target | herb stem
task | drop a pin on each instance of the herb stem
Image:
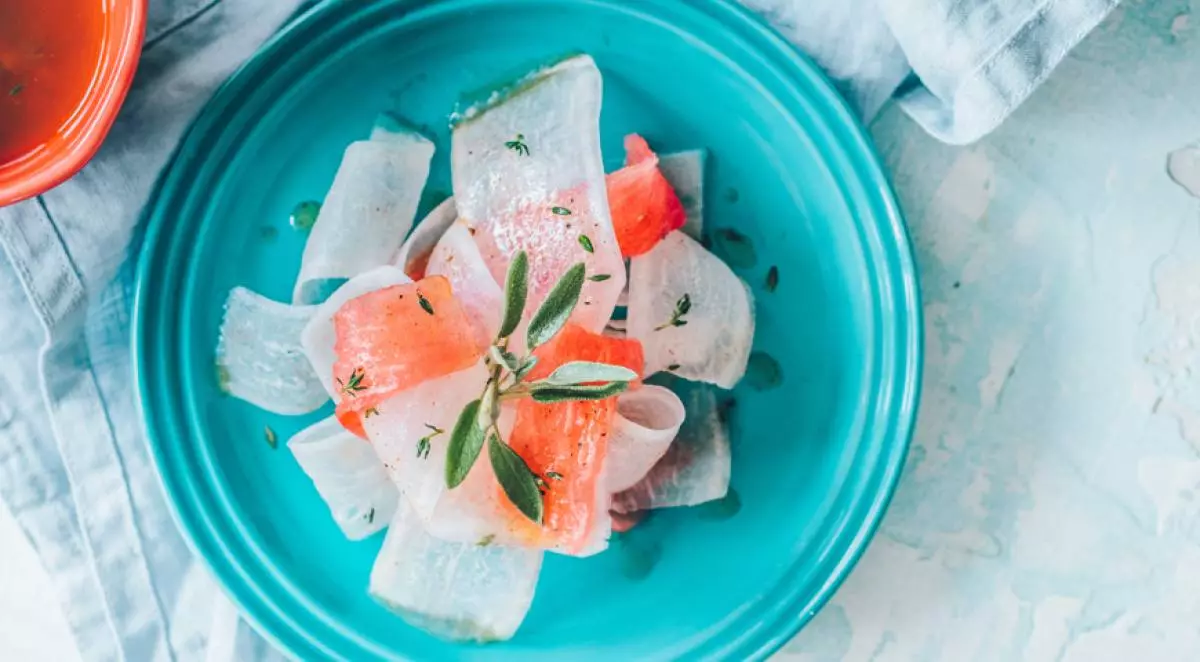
(515, 393)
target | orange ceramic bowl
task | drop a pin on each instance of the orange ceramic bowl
(74, 144)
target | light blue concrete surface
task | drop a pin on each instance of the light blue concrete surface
(1050, 509)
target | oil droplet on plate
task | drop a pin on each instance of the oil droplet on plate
(638, 557)
(304, 215)
(735, 248)
(763, 372)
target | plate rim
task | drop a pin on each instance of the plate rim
(784, 617)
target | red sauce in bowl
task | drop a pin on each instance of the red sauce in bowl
(49, 51)
(65, 67)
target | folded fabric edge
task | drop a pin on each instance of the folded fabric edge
(1008, 77)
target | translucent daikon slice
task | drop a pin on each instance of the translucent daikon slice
(367, 213)
(696, 467)
(259, 357)
(348, 476)
(690, 312)
(685, 172)
(455, 591)
(647, 420)
(414, 253)
(457, 258)
(411, 431)
(528, 176)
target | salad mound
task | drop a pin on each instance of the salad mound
(489, 370)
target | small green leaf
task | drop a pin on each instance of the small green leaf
(486, 540)
(586, 242)
(424, 445)
(561, 211)
(525, 367)
(16, 89)
(353, 384)
(272, 438)
(582, 372)
(518, 145)
(548, 394)
(425, 305)
(466, 440)
(516, 288)
(553, 475)
(682, 307)
(556, 309)
(515, 479)
(508, 360)
(599, 278)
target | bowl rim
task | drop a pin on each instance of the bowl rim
(255, 587)
(32, 175)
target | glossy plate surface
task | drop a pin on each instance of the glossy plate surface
(817, 447)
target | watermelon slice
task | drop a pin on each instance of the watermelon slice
(567, 443)
(643, 204)
(395, 338)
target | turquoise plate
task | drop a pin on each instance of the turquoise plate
(819, 437)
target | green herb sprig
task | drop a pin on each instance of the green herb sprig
(425, 305)
(423, 444)
(353, 384)
(518, 145)
(682, 307)
(573, 381)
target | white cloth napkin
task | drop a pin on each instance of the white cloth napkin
(74, 466)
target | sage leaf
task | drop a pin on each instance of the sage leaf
(525, 367)
(556, 309)
(516, 289)
(582, 372)
(515, 478)
(548, 394)
(466, 440)
(507, 359)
